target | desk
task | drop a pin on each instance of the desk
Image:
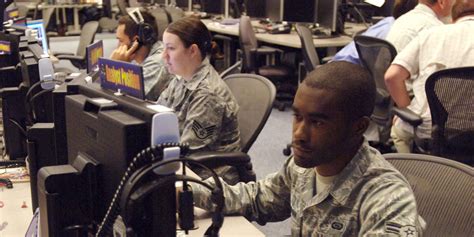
(291, 40)
(14, 220)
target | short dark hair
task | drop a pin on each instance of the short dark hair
(192, 31)
(462, 8)
(131, 27)
(353, 84)
(403, 6)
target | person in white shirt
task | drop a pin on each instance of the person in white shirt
(441, 47)
(427, 14)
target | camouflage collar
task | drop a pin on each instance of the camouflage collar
(344, 182)
(202, 72)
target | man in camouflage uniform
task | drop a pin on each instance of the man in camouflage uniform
(335, 184)
(207, 113)
(146, 54)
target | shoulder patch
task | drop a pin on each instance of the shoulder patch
(203, 132)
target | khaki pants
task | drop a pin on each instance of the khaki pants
(402, 140)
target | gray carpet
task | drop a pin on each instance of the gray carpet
(266, 152)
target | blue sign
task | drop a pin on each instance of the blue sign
(123, 76)
(94, 51)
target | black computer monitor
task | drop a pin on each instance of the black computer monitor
(300, 11)
(213, 6)
(255, 9)
(327, 14)
(109, 130)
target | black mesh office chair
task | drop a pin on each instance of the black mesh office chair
(450, 94)
(255, 95)
(278, 73)
(377, 55)
(310, 56)
(88, 32)
(443, 192)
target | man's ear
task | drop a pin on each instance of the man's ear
(361, 125)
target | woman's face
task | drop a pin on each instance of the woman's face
(176, 55)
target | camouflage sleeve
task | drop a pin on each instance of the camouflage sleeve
(166, 96)
(389, 209)
(262, 201)
(203, 121)
(156, 78)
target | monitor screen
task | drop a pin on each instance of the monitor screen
(94, 51)
(39, 33)
(122, 76)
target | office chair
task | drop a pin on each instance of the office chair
(443, 192)
(310, 56)
(255, 95)
(450, 94)
(87, 37)
(234, 69)
(278, 73)
(376, 56)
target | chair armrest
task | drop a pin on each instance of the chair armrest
(62, 53)
(327, 59)
(381, 97)
(77, 61)
(70, 57)
(277, 50)
(408, 116)
(214, 159)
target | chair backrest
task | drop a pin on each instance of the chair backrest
(450, 94)
(310, 55)
(443, 192)
(88, 32)
(255, 95)
(377, 55)
(236, 68)
(248, 41)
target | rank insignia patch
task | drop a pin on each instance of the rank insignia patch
(203, 132)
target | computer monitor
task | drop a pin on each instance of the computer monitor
(106, 132)
(255, 9)
(93, 52)
(300, 11)
(38, 31)
(122, 77)
(274, 10)
(326, 14)
(213, 6)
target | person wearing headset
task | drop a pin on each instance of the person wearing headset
(206, 109)
(138, 42)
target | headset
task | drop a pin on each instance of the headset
(133, 190)
(146, 33)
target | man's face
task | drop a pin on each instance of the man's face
(122, 38)
(321, 132)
